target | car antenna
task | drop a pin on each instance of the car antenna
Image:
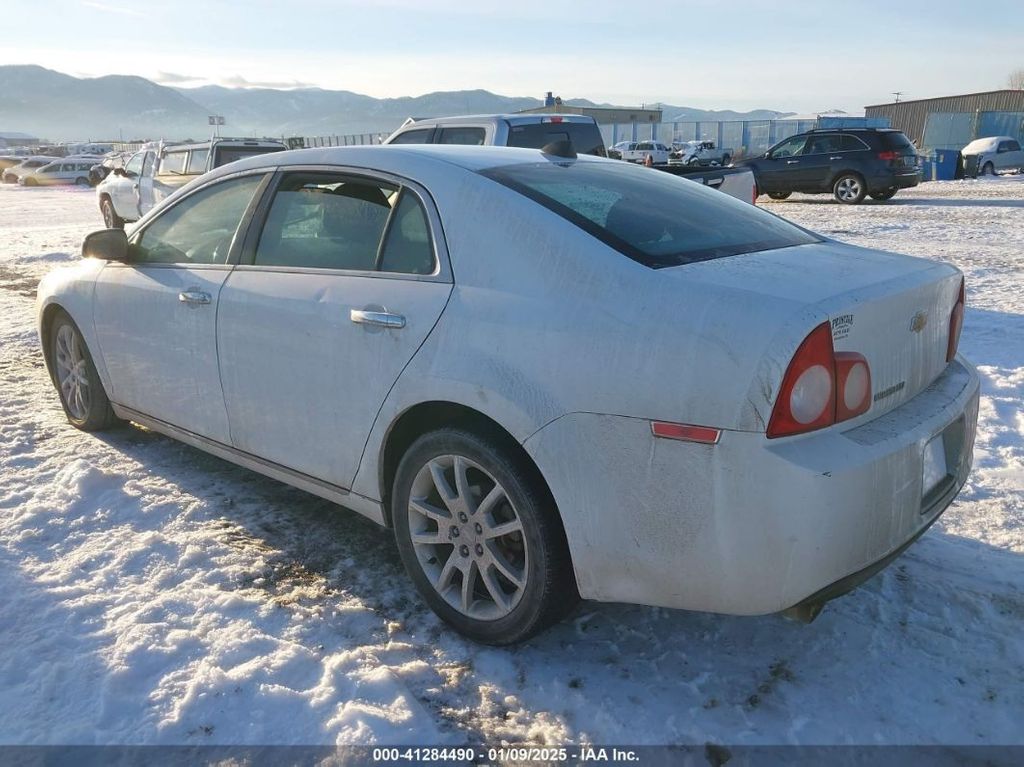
(560, 148)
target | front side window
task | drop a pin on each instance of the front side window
(470, 136)
(326, 221)
(134, 166)
(790, 147)
(612, 202)
(200, 228)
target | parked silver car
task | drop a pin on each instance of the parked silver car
(553, 377)
(994, 154)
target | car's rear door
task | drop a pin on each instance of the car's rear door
(156, 314)
(343, 278)
(821, 159)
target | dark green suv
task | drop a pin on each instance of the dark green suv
(850, 164)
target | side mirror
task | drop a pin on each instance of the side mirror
(106, 244)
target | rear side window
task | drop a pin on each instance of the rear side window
(325, 221)
(421, 136)
(612, 202)
(585, 137)
(197, 160)
(896, 140)
(230, 154)
(470, 136)
(852, 144)
(823, 144)
(173, 163)
(407, 247)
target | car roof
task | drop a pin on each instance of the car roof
(396, 158)
(515, 119)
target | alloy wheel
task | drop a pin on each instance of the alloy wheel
(468, 537)
(848, 189)
(72, 374)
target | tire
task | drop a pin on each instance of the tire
(30, 181)
(81, 181)
(885, 194)
(726, 160)
(110, 218)
(988, 169)
(78, 385)
(849, 189)
(779, 195)
(495, 589)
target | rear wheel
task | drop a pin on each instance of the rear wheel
(81, 181)
(480, 537)
(885, 194)
(849, 189)
(30, 181)
(81, 392)
(110, 218)
(779, 195)
(726, 160)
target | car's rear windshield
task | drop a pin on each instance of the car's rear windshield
(648, 215)
(896, 140)
(585, 137)
(227, 154)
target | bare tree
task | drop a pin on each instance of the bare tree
(1016, 79)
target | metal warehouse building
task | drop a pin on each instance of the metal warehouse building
(950, 122)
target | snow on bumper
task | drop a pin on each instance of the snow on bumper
(750, 525)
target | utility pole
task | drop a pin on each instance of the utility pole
(897, 94)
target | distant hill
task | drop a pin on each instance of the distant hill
(59, 107)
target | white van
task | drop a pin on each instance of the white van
(64, 171)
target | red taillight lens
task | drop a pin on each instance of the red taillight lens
(888, 155)
(956, 323)
(853, 385)
(806, 399)
(821, 387)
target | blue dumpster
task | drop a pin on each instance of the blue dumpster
(945, 164)
(927, 164)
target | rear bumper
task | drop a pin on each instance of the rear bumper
(751, 525)
(900, 180)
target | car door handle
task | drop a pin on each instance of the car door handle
(836, 157)
(381, 319)
(792, 162)
(194, 297)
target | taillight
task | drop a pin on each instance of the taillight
(888, 155)
(806, 400)
(956, 323)
(853, 385)
(821, 387)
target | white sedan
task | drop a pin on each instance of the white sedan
(554, 377)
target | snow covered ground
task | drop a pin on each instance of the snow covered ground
(150, 593)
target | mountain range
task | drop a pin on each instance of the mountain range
(59, 107)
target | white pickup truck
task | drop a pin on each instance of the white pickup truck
(159, 168)
(700, 153)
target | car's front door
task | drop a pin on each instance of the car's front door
(156, 314)
(1009, 155)
(776, 171)
(344, 281)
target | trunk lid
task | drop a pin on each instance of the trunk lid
(892, 309)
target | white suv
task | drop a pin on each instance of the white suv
(533, 131)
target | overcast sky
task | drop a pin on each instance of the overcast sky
(792, 56)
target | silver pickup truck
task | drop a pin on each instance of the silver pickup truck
(538, 130)
(159, 168)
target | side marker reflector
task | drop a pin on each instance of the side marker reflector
(686, 432)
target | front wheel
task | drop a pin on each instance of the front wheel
(988, 170)
(480, 537)
(885, 194)
(849, 189)
(110, 218)
(779, 195)
(81, 392)
(81, 181)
